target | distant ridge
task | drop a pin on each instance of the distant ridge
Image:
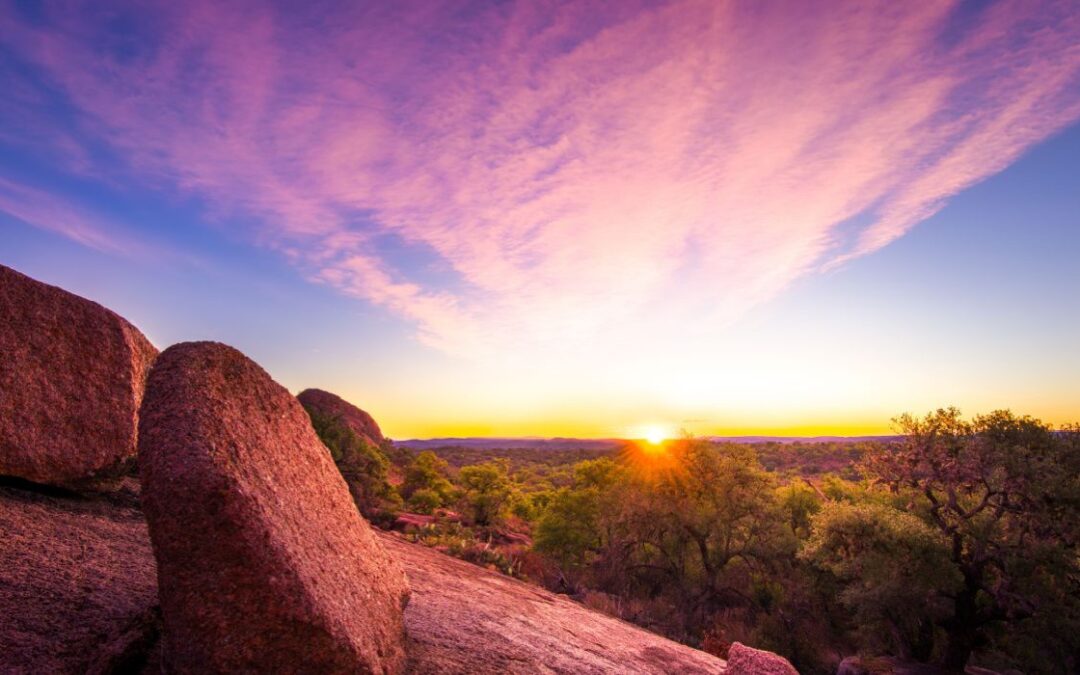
(802, 439)
(518, 442)
(513, 443)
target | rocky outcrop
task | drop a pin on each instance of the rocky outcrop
(464, 619)
(332, 405)
(78, 593)
(413, 521)
(71, 375)
(743, 660)
(264, 563)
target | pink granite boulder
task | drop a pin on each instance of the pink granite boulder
(264, 563)
(333, 406)
(71, 381)
(743, 660)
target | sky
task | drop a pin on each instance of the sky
(589, 219)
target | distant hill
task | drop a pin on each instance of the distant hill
(801, 439)
(518, 443)
(600, 444)
(806, 456)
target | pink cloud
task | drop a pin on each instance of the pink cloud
(581, 170)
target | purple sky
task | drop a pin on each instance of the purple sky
(573, 218)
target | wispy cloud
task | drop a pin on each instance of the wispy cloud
(584, 170)
(49, 212)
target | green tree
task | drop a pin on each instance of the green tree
(1003, 492)
(708, 521)
(363, 465)
(424, 500)
(486, 489)
(568, 530)
(697, 524)
(578, 522)
(799, 502)
(893, 568)
(428, 472)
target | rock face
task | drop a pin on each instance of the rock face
(743, 660)
(77, 587)
(71, 381)
(78, 595)
(264, 563)
(463, 619)
(332, 405)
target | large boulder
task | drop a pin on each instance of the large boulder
(743, 660)
(71, 381)
(332, 405)
(264, 563)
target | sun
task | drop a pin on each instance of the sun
(654, 434)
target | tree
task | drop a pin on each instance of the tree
(892, 567)
(424, 500)
(486, 489)
(1003, 492)
(799, 501)
(708, 521)
(577, 521)
(568, 530)
(696, 525)
(428, 472)
(363, 465)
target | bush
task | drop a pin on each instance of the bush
(425, 500)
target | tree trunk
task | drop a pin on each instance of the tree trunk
(958, 650)
(961, 630)
(922, 649)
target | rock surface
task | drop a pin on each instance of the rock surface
(78, 592)
(77, 582)
(743, 660)
(465, 619)
(264, 563)
(332, 405)
(71, 375)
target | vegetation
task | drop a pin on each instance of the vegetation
(955, 544)
(1002, 496)
(486, 490)
(426, 486)
(363, 465)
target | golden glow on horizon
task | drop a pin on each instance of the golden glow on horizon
(443, 411)
(655, 435)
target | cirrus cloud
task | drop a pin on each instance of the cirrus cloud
(550, 174)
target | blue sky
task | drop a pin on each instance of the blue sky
(915, 250)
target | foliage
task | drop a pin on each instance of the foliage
(1005, 492)
(529, 506)
(956, 542)
(567, 531)
(697, 524)
(812, 459)
(799, 502)
(893, 567)
(424, 500)
(486, 490)
(363, 465)
(428, 472)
